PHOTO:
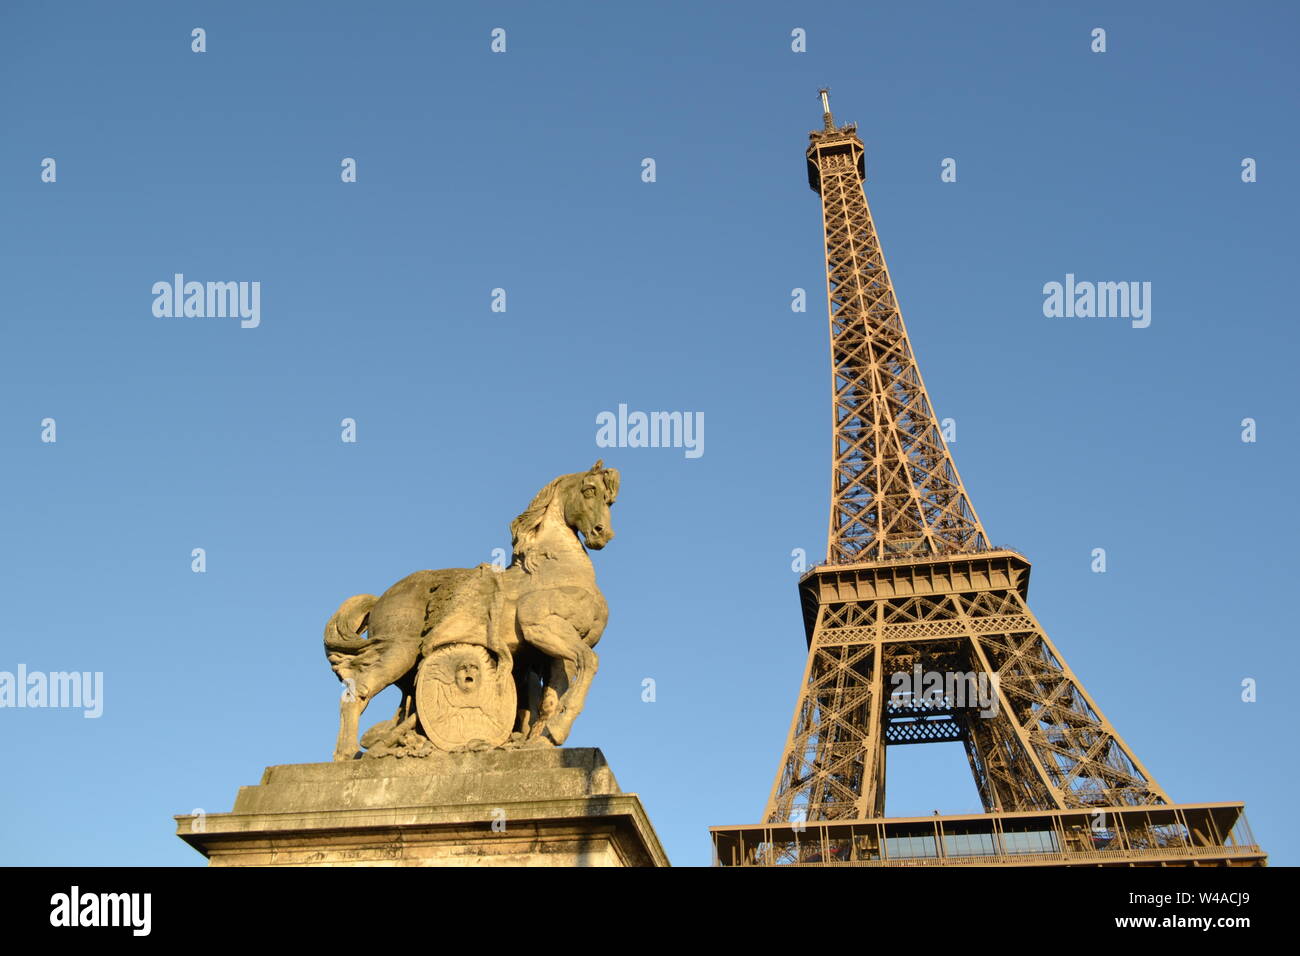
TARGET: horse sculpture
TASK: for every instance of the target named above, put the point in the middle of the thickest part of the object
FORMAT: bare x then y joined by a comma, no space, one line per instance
484,657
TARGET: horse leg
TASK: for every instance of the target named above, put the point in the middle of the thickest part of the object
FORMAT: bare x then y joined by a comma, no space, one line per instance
557,685
406,687
548,698
524,696
555,637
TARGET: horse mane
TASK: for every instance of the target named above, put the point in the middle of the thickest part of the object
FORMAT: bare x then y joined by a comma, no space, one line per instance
523,530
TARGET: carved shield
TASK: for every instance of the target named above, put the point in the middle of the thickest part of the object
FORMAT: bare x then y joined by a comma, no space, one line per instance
465,698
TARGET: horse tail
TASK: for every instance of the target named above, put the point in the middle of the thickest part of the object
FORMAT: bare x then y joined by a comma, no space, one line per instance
345,630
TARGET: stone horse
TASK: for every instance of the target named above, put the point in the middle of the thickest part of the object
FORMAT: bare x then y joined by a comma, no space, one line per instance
462,643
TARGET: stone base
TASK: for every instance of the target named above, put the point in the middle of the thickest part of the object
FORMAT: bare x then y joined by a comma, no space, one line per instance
495,808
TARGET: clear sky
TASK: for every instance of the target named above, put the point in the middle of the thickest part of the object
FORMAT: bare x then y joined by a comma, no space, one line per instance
522,171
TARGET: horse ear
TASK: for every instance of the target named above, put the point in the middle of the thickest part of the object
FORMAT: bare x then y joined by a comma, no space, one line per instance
611,485
600,463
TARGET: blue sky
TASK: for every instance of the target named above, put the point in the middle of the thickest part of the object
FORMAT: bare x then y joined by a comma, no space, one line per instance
522,171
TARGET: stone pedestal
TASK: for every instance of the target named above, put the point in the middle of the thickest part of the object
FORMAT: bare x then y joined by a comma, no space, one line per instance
496,808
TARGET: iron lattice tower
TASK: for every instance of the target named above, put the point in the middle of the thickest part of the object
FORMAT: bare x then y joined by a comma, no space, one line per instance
911,586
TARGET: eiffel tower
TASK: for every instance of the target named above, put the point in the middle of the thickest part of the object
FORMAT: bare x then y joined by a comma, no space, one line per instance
919,631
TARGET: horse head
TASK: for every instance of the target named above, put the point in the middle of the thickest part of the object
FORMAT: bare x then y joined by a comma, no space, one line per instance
582,499
587,497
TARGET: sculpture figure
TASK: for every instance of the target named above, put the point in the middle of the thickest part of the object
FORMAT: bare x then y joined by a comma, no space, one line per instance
484,657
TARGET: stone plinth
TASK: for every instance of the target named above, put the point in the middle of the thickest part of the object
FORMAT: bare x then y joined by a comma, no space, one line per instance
558,807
